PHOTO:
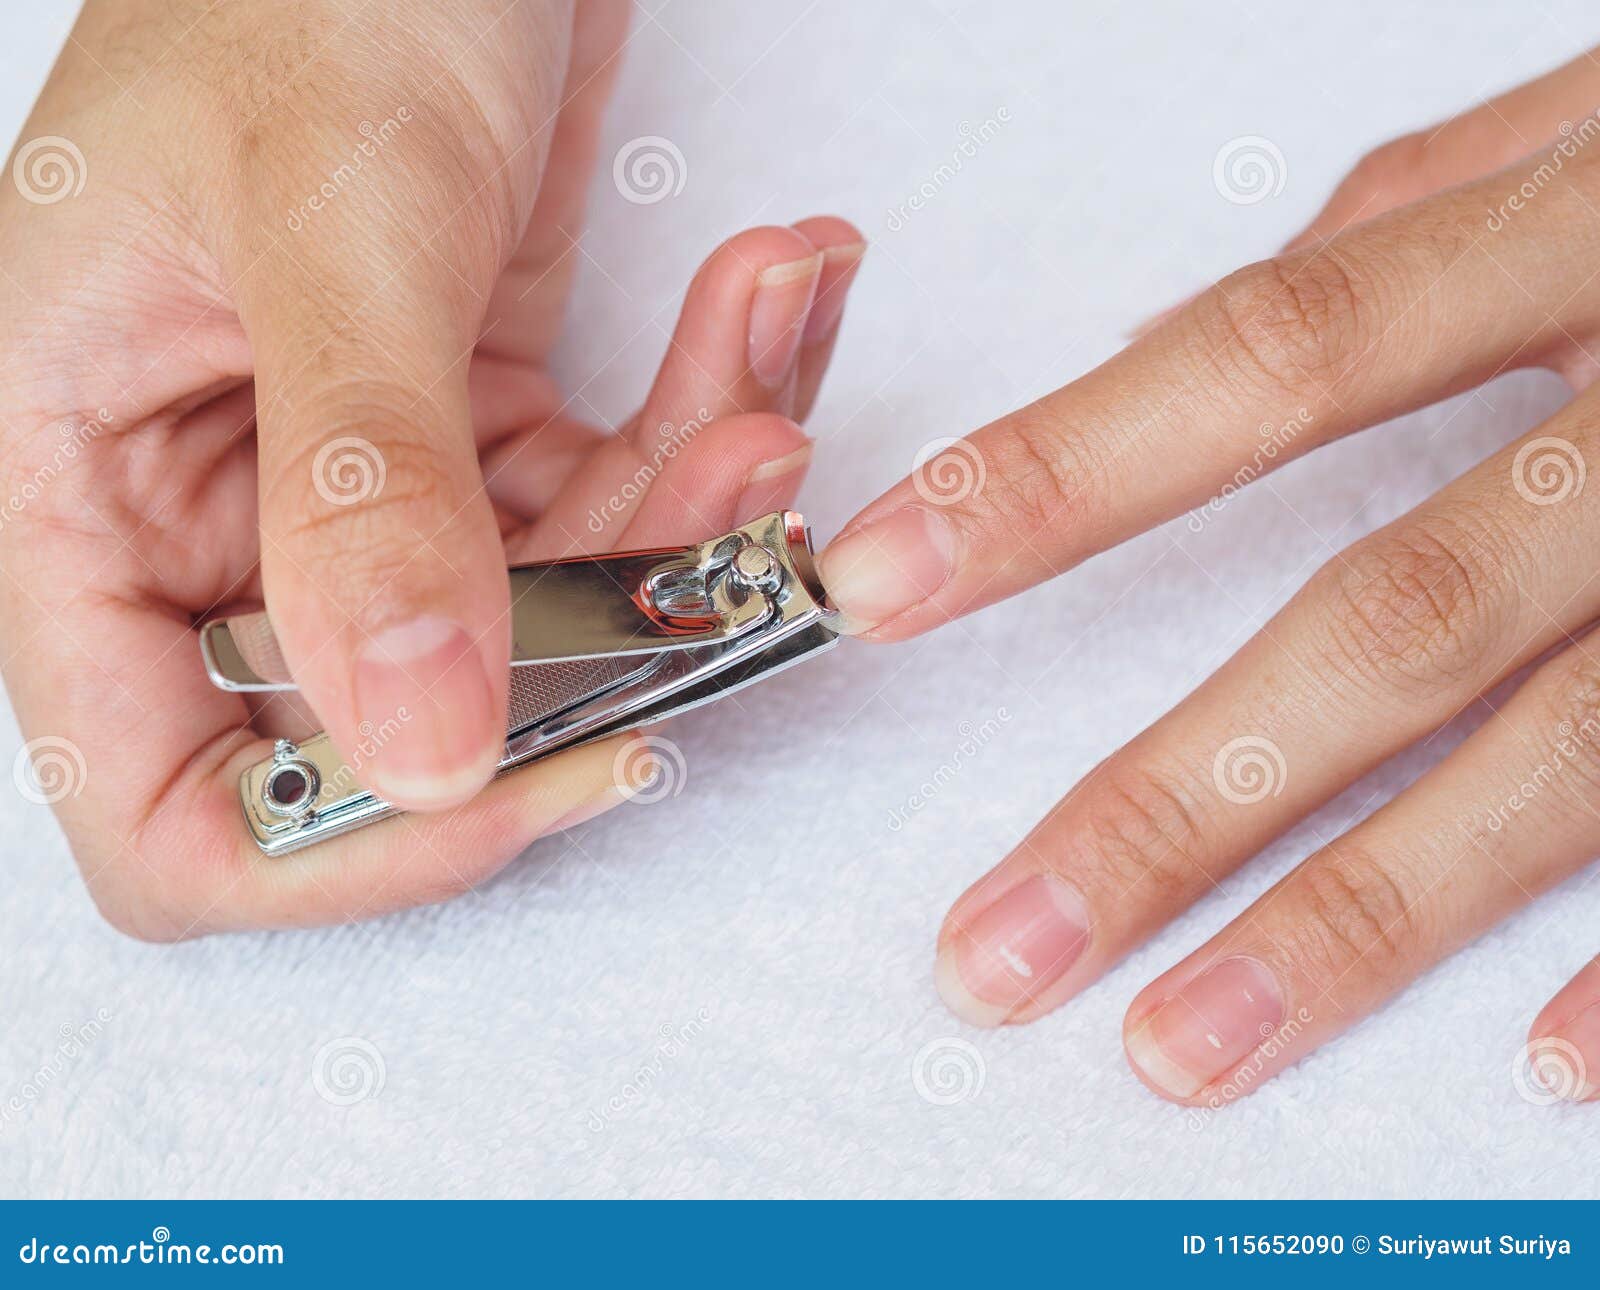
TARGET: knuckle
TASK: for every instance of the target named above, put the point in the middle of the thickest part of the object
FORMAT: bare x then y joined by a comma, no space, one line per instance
1413,608
1391,166
1146,832
1294,324
374,490
1357,923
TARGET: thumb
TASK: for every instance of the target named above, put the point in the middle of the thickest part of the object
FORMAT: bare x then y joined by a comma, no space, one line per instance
381,561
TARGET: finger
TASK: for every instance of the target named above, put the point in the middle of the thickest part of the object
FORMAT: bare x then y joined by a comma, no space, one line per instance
381,560
736,346
1384,644
1561,1059
524,313
724,474
529,471
1466,147
1562,1055
1390,315
842,247
736,470
1512,811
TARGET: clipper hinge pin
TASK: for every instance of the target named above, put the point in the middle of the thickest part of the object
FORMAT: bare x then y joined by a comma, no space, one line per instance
756,569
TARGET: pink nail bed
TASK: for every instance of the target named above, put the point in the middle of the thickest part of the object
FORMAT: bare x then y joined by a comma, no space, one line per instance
1016,948
1209,1026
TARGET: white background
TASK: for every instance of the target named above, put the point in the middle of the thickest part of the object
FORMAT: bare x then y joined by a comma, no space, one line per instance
771,899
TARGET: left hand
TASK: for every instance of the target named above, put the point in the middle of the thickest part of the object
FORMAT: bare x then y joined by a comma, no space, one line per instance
1357,323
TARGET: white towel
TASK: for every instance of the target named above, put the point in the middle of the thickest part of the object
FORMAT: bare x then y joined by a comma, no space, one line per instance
729,992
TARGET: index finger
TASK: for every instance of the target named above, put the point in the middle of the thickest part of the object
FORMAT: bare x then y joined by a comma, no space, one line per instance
1280,357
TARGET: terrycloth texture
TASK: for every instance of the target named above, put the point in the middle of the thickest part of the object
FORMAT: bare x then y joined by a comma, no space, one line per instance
726,993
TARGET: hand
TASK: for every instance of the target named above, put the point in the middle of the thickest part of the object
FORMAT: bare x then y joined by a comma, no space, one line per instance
299,312
1381,307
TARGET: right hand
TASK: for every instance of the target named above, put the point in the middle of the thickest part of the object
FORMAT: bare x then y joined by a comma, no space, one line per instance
309,247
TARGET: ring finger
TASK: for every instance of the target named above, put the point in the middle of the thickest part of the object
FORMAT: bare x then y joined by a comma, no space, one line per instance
1510,813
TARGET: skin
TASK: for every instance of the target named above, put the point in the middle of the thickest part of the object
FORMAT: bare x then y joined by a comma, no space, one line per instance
1418,281
199,335
200,353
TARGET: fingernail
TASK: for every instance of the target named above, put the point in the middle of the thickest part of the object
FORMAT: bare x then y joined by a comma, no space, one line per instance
778,316
838,272
599,804
1011,952
883,569
426,680
1567,1061
1208,1027
771,484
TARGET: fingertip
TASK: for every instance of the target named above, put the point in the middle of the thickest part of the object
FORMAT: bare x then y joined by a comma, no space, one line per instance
955,995
1561,1059
430,727
824,231
880,571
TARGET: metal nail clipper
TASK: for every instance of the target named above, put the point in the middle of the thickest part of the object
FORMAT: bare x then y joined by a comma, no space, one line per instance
599,645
